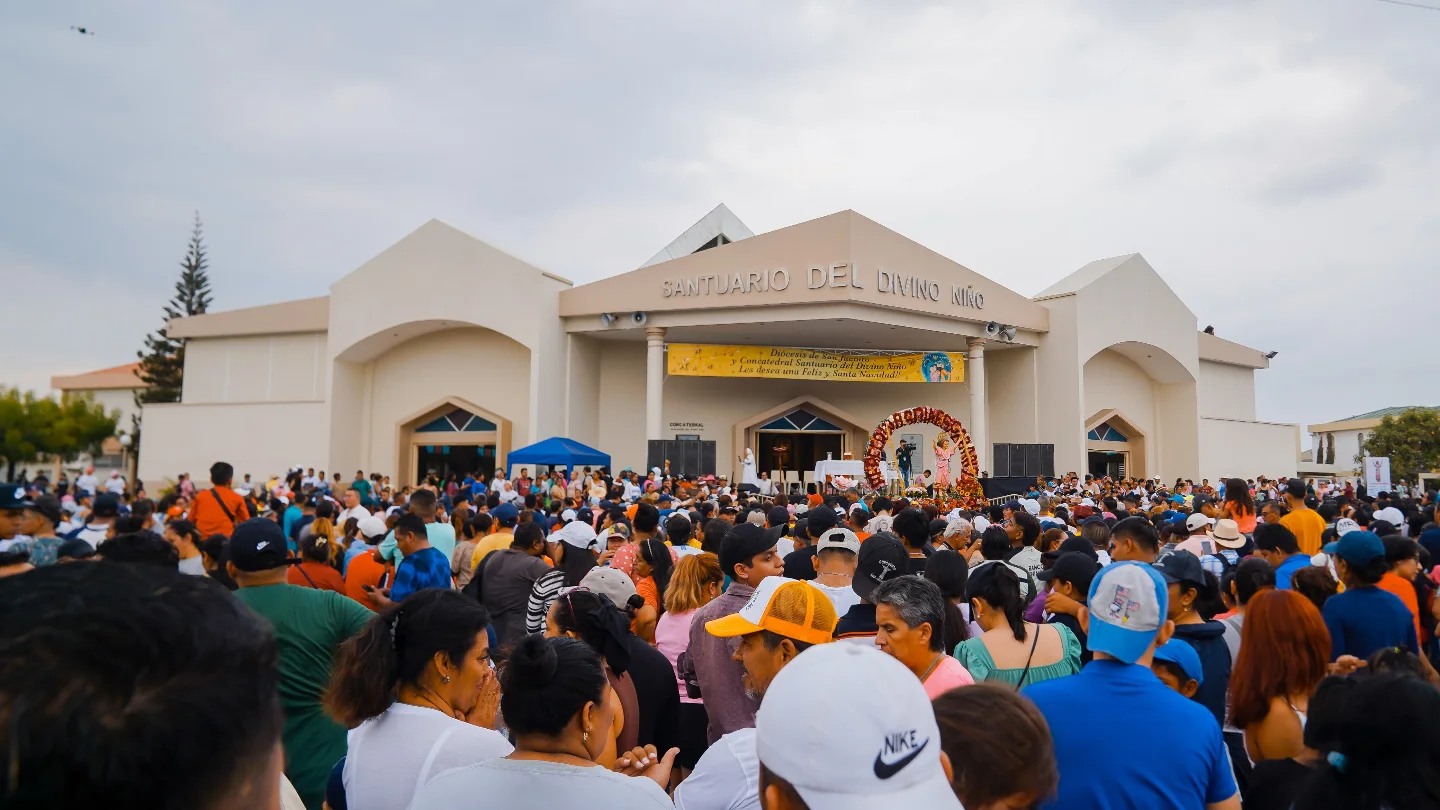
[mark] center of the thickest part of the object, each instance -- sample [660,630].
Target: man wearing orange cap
[783,618]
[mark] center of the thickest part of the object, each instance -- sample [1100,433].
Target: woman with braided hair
[418,692]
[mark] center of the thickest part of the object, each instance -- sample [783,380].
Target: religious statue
[747,469]
[944,449]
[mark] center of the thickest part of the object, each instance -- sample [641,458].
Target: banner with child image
[774,362]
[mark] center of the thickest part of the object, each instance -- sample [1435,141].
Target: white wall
[116,399]
[257,368]
[1227,392]
[258,438]
[1242,449]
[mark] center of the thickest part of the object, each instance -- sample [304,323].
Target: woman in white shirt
[558,704]
[418,691]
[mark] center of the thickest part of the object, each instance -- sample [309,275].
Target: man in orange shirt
[1302,521]
[218,509]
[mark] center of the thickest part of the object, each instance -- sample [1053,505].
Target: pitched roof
[1084,277]
[1391,411]
[106,378]
[720,226]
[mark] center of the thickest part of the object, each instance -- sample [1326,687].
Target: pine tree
[162,362]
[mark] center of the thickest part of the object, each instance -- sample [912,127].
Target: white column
[654,381]
[975,377]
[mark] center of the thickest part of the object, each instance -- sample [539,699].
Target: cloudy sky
[1275,160]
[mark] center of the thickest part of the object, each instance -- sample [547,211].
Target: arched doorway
[1114,446]
[453,436]
[806,429]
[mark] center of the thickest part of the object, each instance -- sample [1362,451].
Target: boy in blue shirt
[1365,618]
[1109,721]
[423,566]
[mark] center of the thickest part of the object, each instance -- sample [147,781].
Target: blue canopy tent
[559,452]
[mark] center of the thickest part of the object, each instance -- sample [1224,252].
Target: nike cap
[882,751]
[258,545]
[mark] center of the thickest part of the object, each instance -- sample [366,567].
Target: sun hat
[786,607]
[1227,533]
[880,750]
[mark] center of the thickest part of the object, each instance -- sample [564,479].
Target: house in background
[1334,445]
[114,389]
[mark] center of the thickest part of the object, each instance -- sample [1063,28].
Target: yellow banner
[773,362]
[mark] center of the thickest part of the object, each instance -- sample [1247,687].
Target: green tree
[33,426]
[162,361]
[1411,440]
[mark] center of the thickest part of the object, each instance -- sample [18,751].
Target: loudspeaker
[687,456]
[1028,460]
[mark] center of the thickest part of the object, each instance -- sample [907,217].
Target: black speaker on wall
[1029,460]
[687,456]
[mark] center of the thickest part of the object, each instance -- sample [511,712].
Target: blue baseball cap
[1182,655]
[1357,548]
[1128,602]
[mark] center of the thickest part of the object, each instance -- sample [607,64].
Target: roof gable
[720,227]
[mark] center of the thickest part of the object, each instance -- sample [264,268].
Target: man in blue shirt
[1365,618]
[1111,720]
[423,567]
[1277,545]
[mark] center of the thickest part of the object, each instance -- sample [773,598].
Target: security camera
[607,318]
[638,318]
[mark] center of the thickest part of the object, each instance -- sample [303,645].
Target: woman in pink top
[910,625]
[695,580]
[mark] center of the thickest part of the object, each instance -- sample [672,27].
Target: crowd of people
[582,639]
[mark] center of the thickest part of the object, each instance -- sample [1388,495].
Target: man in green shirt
[310,625]
[362,486]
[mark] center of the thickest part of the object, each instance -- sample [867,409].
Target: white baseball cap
[372,527]
[1196,521]
[1344,526]
[884,747]
[1030,505]
[839,538]
[577,533]
[567,515]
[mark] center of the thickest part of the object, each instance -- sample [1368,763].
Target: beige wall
[1247,449]
[260,368]
[1012,396]
[474,365]
[443,280]
[1226,391]
[1113,381]
[117,399]
[717,404]
[582,420]
[258,438]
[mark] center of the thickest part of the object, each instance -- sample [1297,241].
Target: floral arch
[964,489]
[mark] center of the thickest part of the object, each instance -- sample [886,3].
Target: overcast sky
[1275,160]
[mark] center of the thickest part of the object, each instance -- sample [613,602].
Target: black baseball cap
[258,545]
[12,496]
[1074,567]
[1078,545]
[821,519]
[1183,567]
[742,542]
[882,558]
[49,506]
[938,525]
[778,516]
[106,504]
